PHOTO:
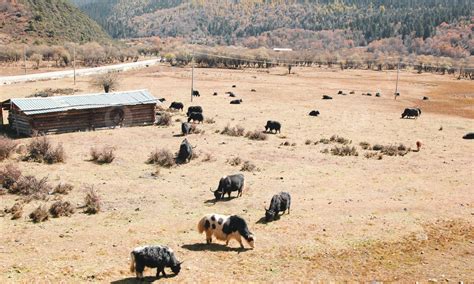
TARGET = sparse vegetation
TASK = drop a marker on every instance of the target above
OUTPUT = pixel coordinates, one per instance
(209, 120)
(164, 119)
(208, 157)
(31, 188)
(40, 214)
(41, 150)
(108, 81)
(340, 140)
(9, 175)
(162, 157)
(392, 150)
(256, 135)
(308, 142)
(235, 161)
(344, 151)
(233, 131)
(104, 156)
(7, 147)
(61, 208)
(248, 167)
(92, 202)
(16, 210)
(364, 145)
(195, 130)
(63, 188)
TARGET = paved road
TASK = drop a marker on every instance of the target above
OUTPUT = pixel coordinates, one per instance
(5, 80)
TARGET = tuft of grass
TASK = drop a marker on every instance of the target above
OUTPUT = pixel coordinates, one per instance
(324, 141)
(7, 147)
(40, 214)
(308, 142)
(235, 131)
(9, 175)
(63, 188)
(92, 202)
(392, 150)
(340, 140)
(377, 147)
(41, 150)
(16, 210)
(56, 155)
(164, 119)
(344, 151)
(256, 135)
(209, 120)
(248, 167)
(235, 161)
(61, 208)
(163, 158)
(104, 156)
(373, 155)
(364, 145)
(208, 157)
(31, 188)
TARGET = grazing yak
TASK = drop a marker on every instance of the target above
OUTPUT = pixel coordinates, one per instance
(234, 86)
(236, 102)
(378, 95)
(185, 128)
(162, 100)
(192, 109)
(196, 93)
(425, 98)
(196, 116)
(177, 105)
(253, 90)
(232, 95)
(314, 113)
(157, 257)
(273, 125)
(226, 228)
(227, 184)
(215, 94)
(326, 97)
(411, 112)
(469, 136)
(280, 203)
(185, 153)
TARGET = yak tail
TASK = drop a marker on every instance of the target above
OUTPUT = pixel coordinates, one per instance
(201, 223)
(132, 262)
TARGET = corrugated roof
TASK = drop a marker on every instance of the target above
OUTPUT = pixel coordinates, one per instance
(32, 106)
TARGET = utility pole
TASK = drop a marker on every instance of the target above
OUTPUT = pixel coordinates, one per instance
(74, 62)
(24, 57)
(398, 76)
(192, 76)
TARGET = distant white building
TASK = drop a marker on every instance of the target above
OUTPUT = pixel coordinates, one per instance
(277, 49)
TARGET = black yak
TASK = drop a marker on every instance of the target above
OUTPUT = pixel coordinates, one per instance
(230, 183)
(273, 125)
(157, 257)
(279, 203)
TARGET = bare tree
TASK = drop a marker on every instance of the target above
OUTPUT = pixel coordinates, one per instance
(108, 81)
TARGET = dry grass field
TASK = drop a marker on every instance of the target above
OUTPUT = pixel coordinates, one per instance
(400, 218)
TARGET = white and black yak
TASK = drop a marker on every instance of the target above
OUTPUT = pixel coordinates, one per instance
(411, 112)
(280, 203)
(230, 183)
(226, 228)
(157, 257)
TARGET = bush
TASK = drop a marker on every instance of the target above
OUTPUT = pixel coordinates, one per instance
(41, 150)
(162, 157)
(104, 156)
(40, 214)
(365, 145)
(164, 119)
(92, 202)
(9, 175)
(344, 151)
(209, 120)
(308, 142)
(374, 155)
(235, 161)
(256, 135)
(63, 188)
(7, 147)
(31, 187)
(16, 210)
(324, 141)
(377, 147)
(248, 167)
(340, 140)
(233, 131)
(208, 157)
(109, 81)
(61, 208)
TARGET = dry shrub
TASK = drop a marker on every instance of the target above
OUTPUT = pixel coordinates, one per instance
(164, 119)
(340, 140)
(256, 135)
(344, 151)
(31, 187)
(104, 156)
(208, 157)
(308, 142)
(9, 175)
(61, 208)
(365, 145)
(392, 150)
(286, 143)
(377, 147)
(373, 155)
(248, 167)
(209, 120)
(324, 141)
(162, 157)
(325, 151)
(233, 131)
(157, 172)
(7, 147)
(63, 188)
(40, 214)
(16, 210)
(235, 161)
(41, 150)
(92, 203)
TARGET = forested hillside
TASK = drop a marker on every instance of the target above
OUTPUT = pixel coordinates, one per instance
(46, 21)
(230, 22)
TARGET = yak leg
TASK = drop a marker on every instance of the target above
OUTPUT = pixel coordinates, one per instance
(240, 193)
(208, 237)
(228, 194)
(159, 269)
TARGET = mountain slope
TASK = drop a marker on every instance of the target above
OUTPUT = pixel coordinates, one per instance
(229, 22)
(46, 21)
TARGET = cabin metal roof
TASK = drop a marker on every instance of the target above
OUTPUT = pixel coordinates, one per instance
(31, 106)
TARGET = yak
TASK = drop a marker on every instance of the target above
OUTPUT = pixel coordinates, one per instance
(314, 113)
(230, 183)
(326, 97)
(185, 128)
(279, 203)
(177, 105)
(196, 93)
(273, 125)
(192, 109)
(196, 116)
(226, 228)
(185, 153)
(236, 102)
(411, 112)
(157, 257)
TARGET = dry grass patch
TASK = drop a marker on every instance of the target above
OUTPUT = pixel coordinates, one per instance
(7, 147)
(208, 157)
(9, 175)
(105, 155)
(256, 135)
(235, 131)
(344, 151)
(164, 119)
(92, 202)
(248, 167)
(364, 145)
(195, 130)
(340, 140)
(162, 157)
(41, 150)
(16, 210)
(61, 208)
(63, 188)
(392, 150)
(31, 188)
(235, 161)
(308, 142)
(209, 120)
(40, 214)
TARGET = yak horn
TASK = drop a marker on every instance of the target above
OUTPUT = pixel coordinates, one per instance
(211, 189)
